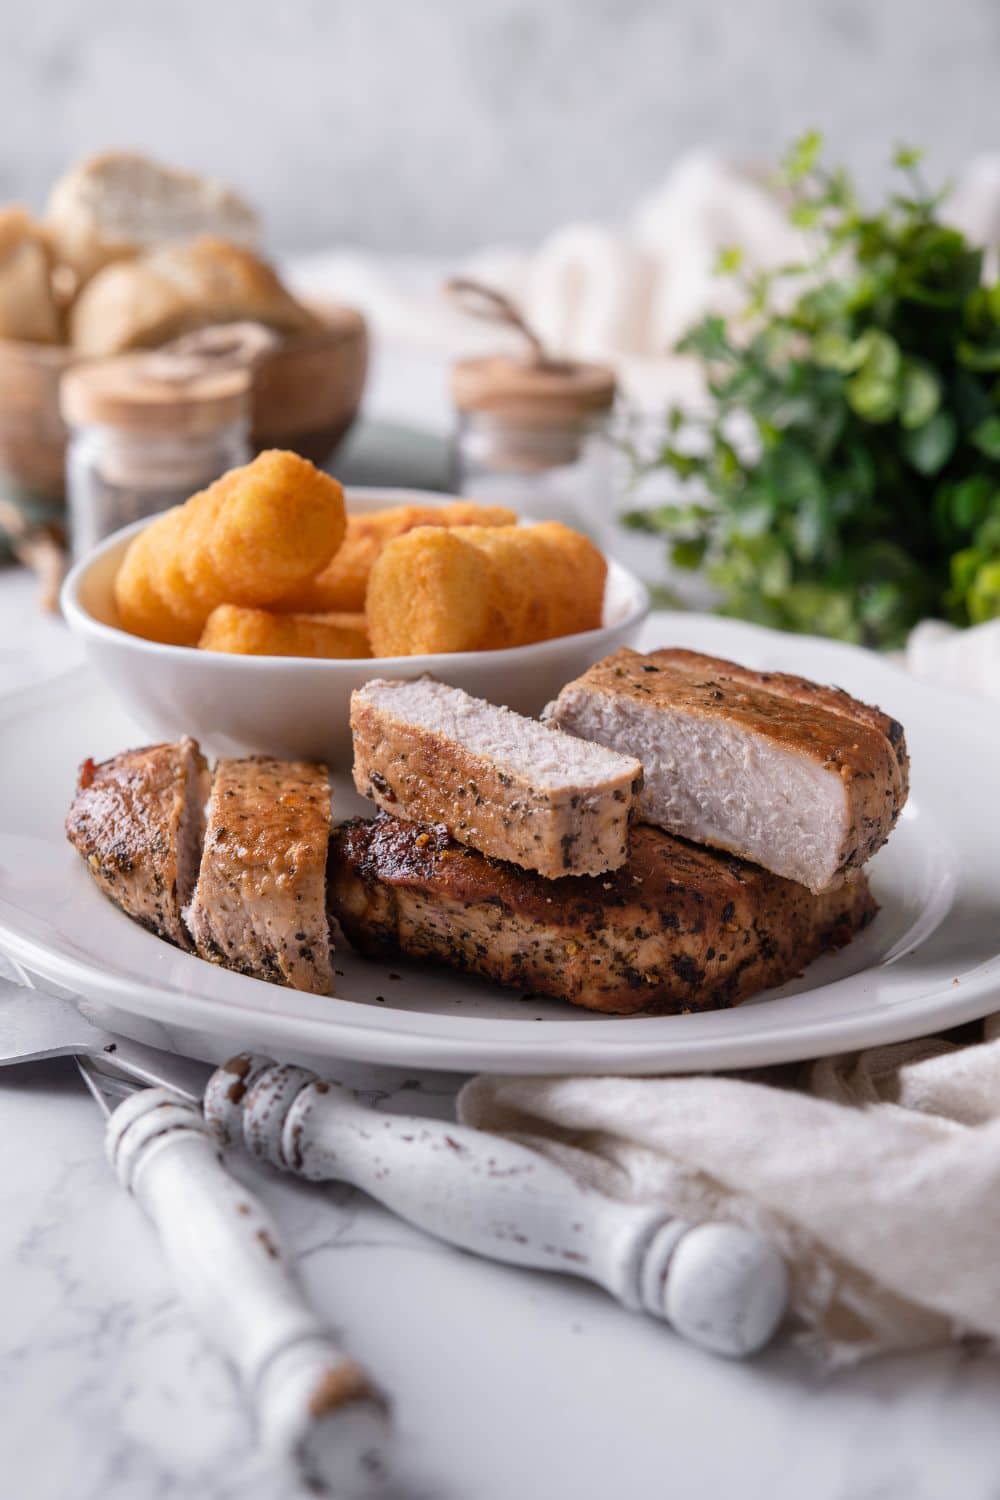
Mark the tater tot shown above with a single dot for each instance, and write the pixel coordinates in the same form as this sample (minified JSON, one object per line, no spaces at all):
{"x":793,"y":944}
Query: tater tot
{"x":280,"y":522}
{"x":142,"y":610}
{"x":517,"y":597}
{"x":247,"y":539}
{"x":428,"y":592}
{"x":478,"y":588}
{"x":179,"y":569}
{"x":343,"y":582}
{"x":259,"y":632}
{"x":576,"y":574}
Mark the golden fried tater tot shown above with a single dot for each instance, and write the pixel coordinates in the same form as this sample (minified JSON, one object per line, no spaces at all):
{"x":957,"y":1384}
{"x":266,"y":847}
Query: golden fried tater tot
{"x":471,"y":513}
{"x":428,"y":592}
{"x":142,"y":610}
{"x":259,"y":632}
{"x":576,"y":575}
{"x":517,"y":607}
{"x":280,"y":522}
{"x":247,"y":539}
{"x":343,"y":582}
{"x":476,"y":588}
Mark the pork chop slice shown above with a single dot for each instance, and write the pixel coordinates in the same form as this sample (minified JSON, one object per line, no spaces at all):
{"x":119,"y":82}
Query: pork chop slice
{"x":677,"y":928}
{"x":260,"y":903}
{"x":802,"y":779}
{"x":138,"y":820}
{"x":503,"y":784}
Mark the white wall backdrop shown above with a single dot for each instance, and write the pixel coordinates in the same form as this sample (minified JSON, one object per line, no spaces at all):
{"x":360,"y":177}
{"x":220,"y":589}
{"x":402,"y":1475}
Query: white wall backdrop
{"x":441,"y":124}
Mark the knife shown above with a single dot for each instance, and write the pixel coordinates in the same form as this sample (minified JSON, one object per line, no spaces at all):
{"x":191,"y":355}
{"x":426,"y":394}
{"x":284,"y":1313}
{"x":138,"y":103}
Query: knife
{"x":315,"y":1406}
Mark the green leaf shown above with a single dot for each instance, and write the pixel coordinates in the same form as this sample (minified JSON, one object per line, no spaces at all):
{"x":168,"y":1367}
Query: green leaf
{"x":919,"y":395}
{"x":880,"y":354}
{"x":803,"y":156}
{"x":833,"y":350}
{"x":708,"y":338}
{"x":984,"y":357}
{"x":970,"y":501}
{"x":805,"y":214}
{"x":809,"y":526}
{"x":984,"y":594}
{"x":690,"y":553}
{"x":906,"y":157}
{"x":873,"y":392}
{"x":927,"y":449}
{"x":871,"y":397}
{"x":774,"y":572}
{"x":729,"y":260}
{"x":986,"y":437}
{"x":684,"y":465}
{"x":963,"y":569}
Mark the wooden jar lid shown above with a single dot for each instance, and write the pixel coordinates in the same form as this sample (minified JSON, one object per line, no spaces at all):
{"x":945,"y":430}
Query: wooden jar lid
{"x":557,"y":394}
{"x":154,"y":393}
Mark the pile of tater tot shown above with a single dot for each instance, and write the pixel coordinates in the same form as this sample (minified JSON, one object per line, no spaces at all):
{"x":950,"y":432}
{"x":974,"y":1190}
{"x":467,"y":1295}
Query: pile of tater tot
{"x":265,"y":562}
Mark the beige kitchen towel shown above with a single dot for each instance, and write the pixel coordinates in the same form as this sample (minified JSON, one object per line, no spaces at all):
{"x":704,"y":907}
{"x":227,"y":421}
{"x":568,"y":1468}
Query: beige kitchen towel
{"x":877,"y":1174}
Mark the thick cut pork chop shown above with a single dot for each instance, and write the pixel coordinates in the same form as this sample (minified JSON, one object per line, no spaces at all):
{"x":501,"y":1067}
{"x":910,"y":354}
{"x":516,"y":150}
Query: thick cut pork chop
{"x":501,"y":783}
{"x":801,"y":779}
{"x":677,"y":928}
{"x":138,"y":821}
{"x":259,"y":905}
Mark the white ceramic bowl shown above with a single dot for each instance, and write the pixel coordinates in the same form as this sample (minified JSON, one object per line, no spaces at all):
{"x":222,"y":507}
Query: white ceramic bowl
{"x":296,"y":707}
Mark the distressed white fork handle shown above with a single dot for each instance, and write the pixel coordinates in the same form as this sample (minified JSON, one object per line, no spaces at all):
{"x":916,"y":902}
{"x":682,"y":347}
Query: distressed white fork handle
{"x":718,"y":1285}
{"x":315,"y":1406}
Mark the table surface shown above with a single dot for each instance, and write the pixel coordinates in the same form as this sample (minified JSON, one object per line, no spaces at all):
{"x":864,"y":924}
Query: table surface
{"x":507,"y":1384}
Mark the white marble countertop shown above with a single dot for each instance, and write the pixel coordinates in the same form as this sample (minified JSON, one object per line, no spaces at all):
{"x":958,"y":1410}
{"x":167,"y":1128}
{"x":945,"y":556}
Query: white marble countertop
{"x":507,"y":1384}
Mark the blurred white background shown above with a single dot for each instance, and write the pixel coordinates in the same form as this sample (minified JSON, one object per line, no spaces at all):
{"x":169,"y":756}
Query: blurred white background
{"x":442,"y":125}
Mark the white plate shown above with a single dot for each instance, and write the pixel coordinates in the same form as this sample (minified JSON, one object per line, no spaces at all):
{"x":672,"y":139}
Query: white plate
{"x":930,"y":960}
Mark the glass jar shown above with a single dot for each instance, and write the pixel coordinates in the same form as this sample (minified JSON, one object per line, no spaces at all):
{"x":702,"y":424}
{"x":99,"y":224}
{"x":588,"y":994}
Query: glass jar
{"x":535,"y":437}
{"x":146,"y":434}
{"x":551,"y":473}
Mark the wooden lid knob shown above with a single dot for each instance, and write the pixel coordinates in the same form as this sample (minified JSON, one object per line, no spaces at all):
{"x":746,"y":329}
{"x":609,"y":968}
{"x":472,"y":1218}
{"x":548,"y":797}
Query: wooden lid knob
{"x":550,"y":394}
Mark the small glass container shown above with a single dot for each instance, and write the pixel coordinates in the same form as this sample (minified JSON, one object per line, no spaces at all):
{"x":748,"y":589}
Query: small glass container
{"x":147,"y":432}
{"x":533,"y":435}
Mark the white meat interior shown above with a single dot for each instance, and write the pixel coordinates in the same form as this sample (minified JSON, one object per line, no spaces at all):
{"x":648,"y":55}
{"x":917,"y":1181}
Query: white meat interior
{"x":541,"y":755}
{"x":191,"y":825}
{"x":718,"y":783}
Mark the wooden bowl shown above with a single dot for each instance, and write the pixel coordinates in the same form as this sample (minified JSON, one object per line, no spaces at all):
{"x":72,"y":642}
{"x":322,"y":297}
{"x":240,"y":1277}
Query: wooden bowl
{"x":306,"y":395}
{"x":307,"y":392}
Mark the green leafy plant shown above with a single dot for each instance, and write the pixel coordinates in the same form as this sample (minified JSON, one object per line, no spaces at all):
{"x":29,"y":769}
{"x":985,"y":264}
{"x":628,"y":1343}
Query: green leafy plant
{"x":847,"y":479}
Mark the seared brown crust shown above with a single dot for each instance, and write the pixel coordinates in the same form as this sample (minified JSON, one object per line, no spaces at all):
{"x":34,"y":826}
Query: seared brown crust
{"x":128,"y":819}
{"x":678,"y":928}
{"x":427,"y":777}
{"x":259,"y":904}
{"x":861,"y":744}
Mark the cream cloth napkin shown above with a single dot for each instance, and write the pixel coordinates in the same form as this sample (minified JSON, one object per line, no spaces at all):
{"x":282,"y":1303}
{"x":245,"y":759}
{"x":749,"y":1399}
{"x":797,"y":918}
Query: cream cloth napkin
{"x":877,"y":1174}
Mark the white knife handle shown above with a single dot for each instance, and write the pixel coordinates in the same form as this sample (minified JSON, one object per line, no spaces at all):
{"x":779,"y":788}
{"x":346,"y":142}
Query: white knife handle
{"x":314,"y":1405}
{"x":717,"y":1284}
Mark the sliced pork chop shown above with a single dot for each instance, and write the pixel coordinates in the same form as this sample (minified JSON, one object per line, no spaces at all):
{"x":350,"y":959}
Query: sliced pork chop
{"x":138,"y":820}
{"x":259,"y":904}
{"x":501,"y":783}
{"x":677,"y":928}
{"x":802,"y":779}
